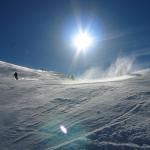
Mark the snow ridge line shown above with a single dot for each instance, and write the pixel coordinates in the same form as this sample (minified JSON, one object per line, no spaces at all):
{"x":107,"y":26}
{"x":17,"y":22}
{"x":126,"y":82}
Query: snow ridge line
{"x":112,"y":123}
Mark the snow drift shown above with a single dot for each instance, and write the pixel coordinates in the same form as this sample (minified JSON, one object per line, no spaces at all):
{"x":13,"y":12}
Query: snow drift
{"x":121,"y":69}
{"x":122,"y":66}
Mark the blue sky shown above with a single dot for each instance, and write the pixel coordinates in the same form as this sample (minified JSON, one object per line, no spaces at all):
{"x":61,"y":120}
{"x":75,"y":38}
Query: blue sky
{"x":38,"y":33}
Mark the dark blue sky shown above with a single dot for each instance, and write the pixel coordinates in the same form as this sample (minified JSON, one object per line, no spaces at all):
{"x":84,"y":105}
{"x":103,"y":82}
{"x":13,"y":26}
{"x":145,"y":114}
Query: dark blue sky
{"x":38,"y":33}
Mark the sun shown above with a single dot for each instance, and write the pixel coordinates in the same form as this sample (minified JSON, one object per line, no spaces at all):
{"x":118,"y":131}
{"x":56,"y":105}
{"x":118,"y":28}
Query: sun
{"x":82,"y":41}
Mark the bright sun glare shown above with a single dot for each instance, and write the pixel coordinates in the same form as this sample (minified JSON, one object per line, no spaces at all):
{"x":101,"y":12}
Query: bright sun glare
{"x":82,"y":41}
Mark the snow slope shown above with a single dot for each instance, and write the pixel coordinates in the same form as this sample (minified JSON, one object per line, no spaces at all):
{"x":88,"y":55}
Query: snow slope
{"x":97,"y":115}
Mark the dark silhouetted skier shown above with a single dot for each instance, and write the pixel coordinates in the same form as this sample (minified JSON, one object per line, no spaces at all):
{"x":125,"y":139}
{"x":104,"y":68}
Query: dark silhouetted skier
{"x":16,"y":75}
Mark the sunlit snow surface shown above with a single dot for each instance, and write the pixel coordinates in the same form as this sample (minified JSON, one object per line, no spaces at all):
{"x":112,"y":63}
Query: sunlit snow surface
{"x":46,"y":111}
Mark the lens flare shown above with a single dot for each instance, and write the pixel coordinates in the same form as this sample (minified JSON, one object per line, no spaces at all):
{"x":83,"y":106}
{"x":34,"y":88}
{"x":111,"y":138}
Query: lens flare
{"x":63,"y":129}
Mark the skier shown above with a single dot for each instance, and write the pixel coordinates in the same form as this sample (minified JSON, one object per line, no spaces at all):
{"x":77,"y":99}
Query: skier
{"x":72,"y":77}
{"x":16,"y":75}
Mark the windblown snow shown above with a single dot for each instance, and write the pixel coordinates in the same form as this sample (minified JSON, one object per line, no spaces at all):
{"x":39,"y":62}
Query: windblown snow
{"x":43,"y":111}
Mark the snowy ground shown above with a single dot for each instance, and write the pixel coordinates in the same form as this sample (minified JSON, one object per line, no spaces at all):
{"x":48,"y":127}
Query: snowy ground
{"x":97,"y":115}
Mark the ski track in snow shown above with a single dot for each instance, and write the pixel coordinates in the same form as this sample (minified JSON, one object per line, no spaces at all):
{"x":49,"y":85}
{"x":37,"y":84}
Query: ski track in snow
{"x":112,"y":123}
{"x":128,"y":145}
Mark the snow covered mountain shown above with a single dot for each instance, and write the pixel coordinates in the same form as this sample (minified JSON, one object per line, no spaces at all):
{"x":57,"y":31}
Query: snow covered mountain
{"x":43,"y":111}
